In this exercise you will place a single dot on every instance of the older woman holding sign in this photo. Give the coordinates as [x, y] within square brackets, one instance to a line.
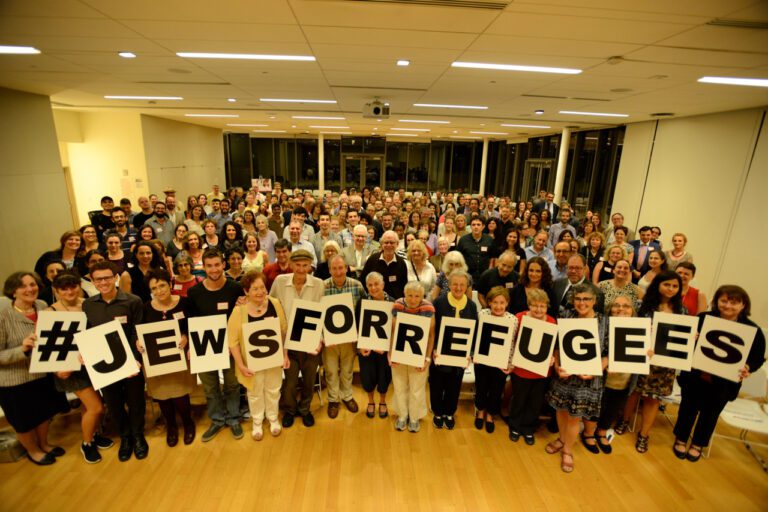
[375, 373]
[445, 381]
[704, 395]
[263, 387]
[665, 296]
[620, 284]
[29, 400]
[577, 397]
[410, 382]
[171, 390]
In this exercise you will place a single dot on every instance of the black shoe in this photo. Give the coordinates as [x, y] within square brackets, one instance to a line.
[308, 420]
[529, 439]
[57, 451]
[490, 427]
[237, 431]
[209, 434]
[189, 433]
[683, 454]
[450, 422]
[126, 448]
[604, 447]
[694, 458]
[438, 421]
[140, 447]
[102, 443]
[47, 460]
[479, 422]
[514, 435]
[172, 436]
[592, 448]
[90, 453]
[288, 420]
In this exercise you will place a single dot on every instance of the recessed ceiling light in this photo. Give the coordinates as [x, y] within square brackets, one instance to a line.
[337, 133]
[489, 133]
[526, 126]
[411, 129]
[321, 118]
[400, 135]
[437, 105]
[18, 50]
[515, 67]
[291, 100]
[273, 117]
[293, 126]
[455, 131]
[211, 115]
[427, 121]
[725, 80]
[232, 100]
[244, 56]
[539, 112]
[598, 114]
[322, 127]
[403, 62]
[127, 55]
[378, 120]
[268, 131]
[248, 125]
[463, 137]
[174, 98]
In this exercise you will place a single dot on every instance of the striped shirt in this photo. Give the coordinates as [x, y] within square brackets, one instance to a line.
[14, 362]
[350, 285]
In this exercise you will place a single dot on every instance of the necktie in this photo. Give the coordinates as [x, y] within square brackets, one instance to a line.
[566, 297]
[641, 255]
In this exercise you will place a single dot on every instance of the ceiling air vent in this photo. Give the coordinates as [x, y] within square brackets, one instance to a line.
[723, 22]
[496, 5]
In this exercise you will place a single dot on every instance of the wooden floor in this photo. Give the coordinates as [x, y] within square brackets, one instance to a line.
[356, 463]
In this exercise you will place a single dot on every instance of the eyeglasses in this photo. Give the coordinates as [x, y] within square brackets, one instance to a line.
[103, 279]
[621, 306]
[583, 299]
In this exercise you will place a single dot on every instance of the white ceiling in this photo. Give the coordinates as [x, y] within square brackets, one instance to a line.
[665, 46]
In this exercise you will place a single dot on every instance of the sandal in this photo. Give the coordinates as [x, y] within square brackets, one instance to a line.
[605, 447]
[680, 454]
[370, 411]
[383, 411]
[554, 446]
[691, 457]
[642, 443]
[567, 467]
[621, 427]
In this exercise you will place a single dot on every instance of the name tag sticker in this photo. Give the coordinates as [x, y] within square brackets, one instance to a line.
[178, 315]
[222, 306]
[122, 319]
[159, 230]
[392, 279]
[510, 284]
[178, 287]
[483, 249]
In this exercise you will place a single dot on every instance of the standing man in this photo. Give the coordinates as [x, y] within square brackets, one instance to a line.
[216, 194]
[477, 249]
[281, 265]
[339, 360]
[111, 304]
[217, 295]
[299, 285]
[642, 249]
[298, 242]
[174, 215]
[325, 234]
[358, 253]
[539, 248]
[503, 275]
[222, 216]
[306, 232]
[549, 205]
[125, 205]
[617, 220]
[127, 234]
[275, 221]
[562, 289]
[102, 221]
[160, 223]
[145, 214]
[353, 219]
[559, 267]
[387, 263]
[556, 229]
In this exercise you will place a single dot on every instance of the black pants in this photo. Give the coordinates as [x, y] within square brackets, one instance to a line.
[444, 389]
[489, 385]
[375, 373]
[308, 365]
[700, 399]
[171, 406]
[127, 392]
[527, 399]
[611, 406]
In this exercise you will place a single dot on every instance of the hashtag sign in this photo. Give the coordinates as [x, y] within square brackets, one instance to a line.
[55, 349]
[51, 337]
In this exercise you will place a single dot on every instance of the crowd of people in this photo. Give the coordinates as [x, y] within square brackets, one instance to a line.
[251, 254]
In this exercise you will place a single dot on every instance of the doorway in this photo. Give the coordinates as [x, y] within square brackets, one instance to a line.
[537, 175]
[361, 171]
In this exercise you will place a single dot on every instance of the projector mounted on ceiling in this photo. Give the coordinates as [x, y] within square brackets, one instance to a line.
[376, 110]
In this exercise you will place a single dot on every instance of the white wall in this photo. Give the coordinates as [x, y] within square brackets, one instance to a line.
[697, 175]
[186, 157]
[109, 160]
[33, 193]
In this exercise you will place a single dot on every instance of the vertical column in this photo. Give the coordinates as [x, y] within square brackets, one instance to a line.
[483, 167]
[562, 163]
[320, 163]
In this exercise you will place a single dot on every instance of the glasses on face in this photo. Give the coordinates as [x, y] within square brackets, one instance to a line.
[103, 279]
[583, 299]
[621, 306]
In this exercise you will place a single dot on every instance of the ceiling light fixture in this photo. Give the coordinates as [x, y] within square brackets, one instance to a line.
[248, 125]
[526, 126]
[322, 127]
[463, 137]
[18, 50]
[401, 135]
[321, 118]
[403, 62]
[726, 80]
[411, 129]
[437, 105]
[337, 133]
[127, 55]
[170, 98]
[515, 67]
[422, 121]
[232, 100]
[489, 133]
[244, 56]
[598, 114]
[211, 115]
[268, 131]
[290, 100]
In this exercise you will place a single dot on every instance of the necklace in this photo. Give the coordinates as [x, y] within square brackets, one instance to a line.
[23, 311]
[75, 307]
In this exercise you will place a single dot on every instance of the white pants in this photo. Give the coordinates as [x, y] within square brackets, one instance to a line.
[264, 395]
[339, 363]
[410, 387]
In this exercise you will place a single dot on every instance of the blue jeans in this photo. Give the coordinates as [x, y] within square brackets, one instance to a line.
[223, 401]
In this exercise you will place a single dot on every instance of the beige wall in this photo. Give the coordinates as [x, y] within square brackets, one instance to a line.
[32, 188]
[108, 161]
[186, 157]
[697, 175]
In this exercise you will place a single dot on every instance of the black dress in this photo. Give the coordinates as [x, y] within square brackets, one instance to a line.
[138, 286]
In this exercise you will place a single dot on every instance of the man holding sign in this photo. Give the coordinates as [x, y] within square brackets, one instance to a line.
[704, 395]
[111, 304]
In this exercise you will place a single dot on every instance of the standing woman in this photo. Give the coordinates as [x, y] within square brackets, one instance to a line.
[115, 253]
[67, 286]
[585, 231]
[171, 390]
[267, 237]
[263, 387]
[90, 238]
[512, 243]
[453, 261]
[657, 263]
[375, 373]
[577, 397]
[537, 275]
[249, 221]
[183, 279]
[133, 280]
[176, 245]
[534, 226]
[678, 253]
[445, 381]
[489, 380]
[621, 284]
[231, 236]
[253, 257]
[450, 231]
[419, 267]
[704, 396]
[545, 220]
[604, 268]
[593, 250]
[191, 203]
[694, 299]
[195, 222]
[442, 249]
[69, 250]
[210, 239]
[664, 296]
[29, 400]
[193, 248]
[235, 263]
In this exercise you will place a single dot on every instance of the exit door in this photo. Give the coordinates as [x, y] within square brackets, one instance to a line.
[361, 171]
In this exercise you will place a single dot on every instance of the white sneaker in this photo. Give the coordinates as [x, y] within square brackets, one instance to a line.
[401, 423]
[257, 433]
[275, 428]
[414, 426]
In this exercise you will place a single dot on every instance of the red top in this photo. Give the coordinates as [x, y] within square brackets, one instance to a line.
[273, 270]
[526, 374]
[181, 289]
[691, 301]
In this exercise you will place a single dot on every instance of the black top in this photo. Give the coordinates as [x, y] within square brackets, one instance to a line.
[395, 274]
[179, 312]
[125, 307]
[491, 278]
[477, 253]
[269, 313]
[138, 286]
[591, 260]
[140, 218]
[518, 301]
[205, 302]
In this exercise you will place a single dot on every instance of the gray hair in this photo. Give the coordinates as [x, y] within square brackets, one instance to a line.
[329, 243]
[452, 257]
[412, 286]
[374, 276]
[458, 274]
